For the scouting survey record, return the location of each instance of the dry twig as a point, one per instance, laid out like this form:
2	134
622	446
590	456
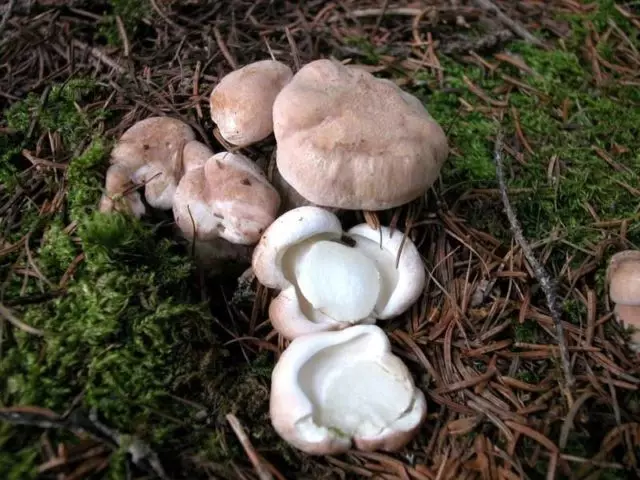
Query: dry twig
546	282
514	25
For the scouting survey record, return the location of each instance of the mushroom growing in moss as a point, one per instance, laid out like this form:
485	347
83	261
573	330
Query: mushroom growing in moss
241	104
151	153
332	390
349	140
329	279
623	276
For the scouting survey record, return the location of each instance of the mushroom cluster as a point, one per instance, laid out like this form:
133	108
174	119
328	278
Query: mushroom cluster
345	140
220	201
623	277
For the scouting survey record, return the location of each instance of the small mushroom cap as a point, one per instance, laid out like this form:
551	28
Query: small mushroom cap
241	104
292	227
623	275
150	140
152	149
117	182
333	389
404	283
229	197
349	140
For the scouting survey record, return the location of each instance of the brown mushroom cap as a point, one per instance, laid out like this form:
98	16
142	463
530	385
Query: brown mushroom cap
241	104
229	197
623	275
152	150
349	140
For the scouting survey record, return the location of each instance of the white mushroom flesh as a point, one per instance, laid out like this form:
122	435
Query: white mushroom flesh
338	280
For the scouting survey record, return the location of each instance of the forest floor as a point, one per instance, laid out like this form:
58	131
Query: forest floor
119	358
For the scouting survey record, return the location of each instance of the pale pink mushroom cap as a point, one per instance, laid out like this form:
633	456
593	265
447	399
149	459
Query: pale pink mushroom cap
229	197
152	150
334	390
349	140
402	284
241	104
623	275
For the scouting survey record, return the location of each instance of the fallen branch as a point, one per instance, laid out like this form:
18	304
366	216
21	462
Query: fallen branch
514	25
546	282
141	454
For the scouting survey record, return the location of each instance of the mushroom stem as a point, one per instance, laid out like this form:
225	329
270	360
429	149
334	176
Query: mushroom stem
629	316
120	193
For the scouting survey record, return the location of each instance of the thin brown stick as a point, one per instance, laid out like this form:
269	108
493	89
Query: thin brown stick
546	282
16	322
261	470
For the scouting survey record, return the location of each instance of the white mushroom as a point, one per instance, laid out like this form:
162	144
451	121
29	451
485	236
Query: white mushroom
332	390
329	280
401	284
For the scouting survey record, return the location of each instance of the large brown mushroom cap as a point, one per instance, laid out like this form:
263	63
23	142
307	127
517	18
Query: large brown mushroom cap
229	197
151	149
347	139
242	102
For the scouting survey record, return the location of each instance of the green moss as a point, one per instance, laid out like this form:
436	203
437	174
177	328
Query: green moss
131	12
526	332
124	334
599	117
85	177
57	250
364	48
59	112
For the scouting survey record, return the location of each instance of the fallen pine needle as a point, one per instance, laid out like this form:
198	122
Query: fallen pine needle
262	472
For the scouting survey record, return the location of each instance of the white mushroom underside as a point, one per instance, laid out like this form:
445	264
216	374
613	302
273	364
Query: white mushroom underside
353	394
337	281
386	265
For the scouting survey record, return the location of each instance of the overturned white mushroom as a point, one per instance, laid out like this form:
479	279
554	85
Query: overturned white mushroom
329	280
332	390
